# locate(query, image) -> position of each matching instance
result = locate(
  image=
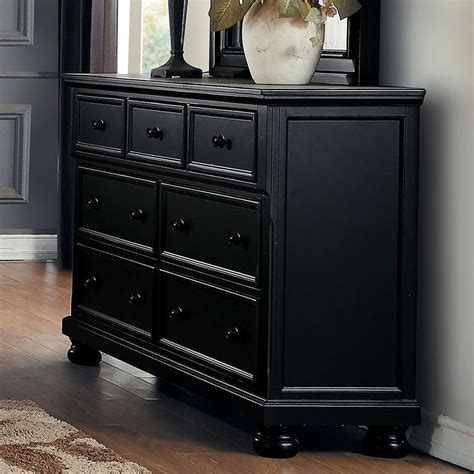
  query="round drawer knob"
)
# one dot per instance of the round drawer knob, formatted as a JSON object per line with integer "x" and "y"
{"x": 220, "y": 141}
{"x": 93, "y": 203}
{"x": 178, "y": 225}
{"x": 234, "y": 239}
{"x": 137, "y": 215}
{"x": 135, "y": 298}
{"x": 98, "y": 125}
{"x": 154, "y": 132}
{"x": 89, "y": 282}
{"x": 176, "y": 313}
{"x": 232, "y": 334}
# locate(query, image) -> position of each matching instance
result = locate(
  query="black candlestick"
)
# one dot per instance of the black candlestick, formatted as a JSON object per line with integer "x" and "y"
{"x": 176, "y": 65}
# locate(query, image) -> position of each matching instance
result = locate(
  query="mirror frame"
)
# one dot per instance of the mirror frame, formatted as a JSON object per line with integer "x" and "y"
{"x": 359, "y": 65}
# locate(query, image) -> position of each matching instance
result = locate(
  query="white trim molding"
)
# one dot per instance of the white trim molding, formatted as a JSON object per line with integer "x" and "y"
{"x": 444, "y": 438}
{"x": 28, "y": 247}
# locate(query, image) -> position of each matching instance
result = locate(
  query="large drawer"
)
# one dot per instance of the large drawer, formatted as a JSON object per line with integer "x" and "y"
{"x": 100, "y": 124}
{"x": 213, "y": 231}
{"x": 116, "y": 290}
{"x": 156, "y": 133}
{"x": 117, "y": 207}
{"x": 223, "y": 142}
{"x": 213, "y": 325}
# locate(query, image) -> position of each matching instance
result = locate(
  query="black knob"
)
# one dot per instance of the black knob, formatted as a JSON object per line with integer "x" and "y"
{"x": 137, "y": 215}
{"x": 154, "y": 132}
{"x": 176, "y": 313}
{"x": 178, "y": 225}
{"x": 89, "y": 281}
{"x": 98, "y": 125}
{"x": 93, "y": 203}
{"x": 234, "y": 239}
{"x": 219, "y": 141}
{"x": 232, "y": 334}
{"x": 135, "y": 298}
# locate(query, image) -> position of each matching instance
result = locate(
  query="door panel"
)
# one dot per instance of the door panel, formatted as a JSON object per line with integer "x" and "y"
{"x": 29, "y": 35}
{"x": 28, "y": 114}
{"x": 15, "y": 133}
{"x": 30, "y": 160}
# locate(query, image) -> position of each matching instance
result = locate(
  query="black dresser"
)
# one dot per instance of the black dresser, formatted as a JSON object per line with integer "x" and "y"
{"x": 254, "y": 244}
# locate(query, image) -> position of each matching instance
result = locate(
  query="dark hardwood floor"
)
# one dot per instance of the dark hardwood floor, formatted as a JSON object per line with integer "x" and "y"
{"x": 130, "y": 411}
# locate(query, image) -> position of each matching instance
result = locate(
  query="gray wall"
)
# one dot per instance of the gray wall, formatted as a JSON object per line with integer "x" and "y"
{"x": 429, "y": 43}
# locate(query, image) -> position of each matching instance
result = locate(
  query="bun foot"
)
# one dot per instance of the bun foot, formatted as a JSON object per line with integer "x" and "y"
{"x": 275, "y": 442}
{"x": 386, "y": 442}
{"x": 83, "y": 355}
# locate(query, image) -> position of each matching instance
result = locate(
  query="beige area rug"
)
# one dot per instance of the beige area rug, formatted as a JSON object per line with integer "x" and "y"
{"x": 31, "y": 441}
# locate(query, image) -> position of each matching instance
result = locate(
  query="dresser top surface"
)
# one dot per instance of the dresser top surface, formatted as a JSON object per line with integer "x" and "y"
{"x": 243, "y": 88}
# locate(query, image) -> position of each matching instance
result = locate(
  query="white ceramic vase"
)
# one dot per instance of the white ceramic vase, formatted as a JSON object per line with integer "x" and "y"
{"x": 279, "y": 50}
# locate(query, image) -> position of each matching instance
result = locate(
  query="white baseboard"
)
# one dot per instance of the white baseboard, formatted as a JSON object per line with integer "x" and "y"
{"x": 28, "y": 247}
{"x": 444, "y": 438}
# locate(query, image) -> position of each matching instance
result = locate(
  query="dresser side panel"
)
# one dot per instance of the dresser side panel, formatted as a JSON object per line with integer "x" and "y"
{"x": 344, "y": 189}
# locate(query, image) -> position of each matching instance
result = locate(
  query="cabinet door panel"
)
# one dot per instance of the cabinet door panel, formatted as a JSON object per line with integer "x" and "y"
{"x": 115, "y": 290}
{"x": 223, "y": 142}
{"x": 116, "y": 207}
{"x": 209, "y": 324}
{"x": 156, "y": 133}
{"x": 342, "y": 254}
{"x": 100, "y": 124}
{"x": 213, "y": 231}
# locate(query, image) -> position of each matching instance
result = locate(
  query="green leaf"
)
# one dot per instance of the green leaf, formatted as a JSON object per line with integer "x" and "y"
{"x": 315, "y": 16}
{"x": 315, "y": 41}
{"x": 291, "y": 8}
{"x": 347, "y": 7}
{"x": 226, "y": 13}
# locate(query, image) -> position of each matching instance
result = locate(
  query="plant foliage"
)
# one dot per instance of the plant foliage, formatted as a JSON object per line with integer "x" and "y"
{"x": 226, "y": 13}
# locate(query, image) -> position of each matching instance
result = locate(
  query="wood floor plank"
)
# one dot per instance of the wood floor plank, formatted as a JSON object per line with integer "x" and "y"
{"x": 144, "y": 419}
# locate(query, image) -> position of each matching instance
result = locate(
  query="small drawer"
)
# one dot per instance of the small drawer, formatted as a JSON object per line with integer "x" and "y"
{"x": 223, "y": 142}
{"x": 212, "y": 231}
{"x": 156, "y": 133}
{"x": 100, "y": 124}
{"x": 118, "y": 208}
{"x": 208, "y": 323}
{"x": 114, "y": 289}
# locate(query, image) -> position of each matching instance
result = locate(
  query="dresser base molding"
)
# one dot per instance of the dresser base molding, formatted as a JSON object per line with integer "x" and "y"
{"x": 267, "y": 412}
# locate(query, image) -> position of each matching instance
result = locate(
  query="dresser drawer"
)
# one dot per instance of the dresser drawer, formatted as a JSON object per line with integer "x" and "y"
{"x": 156, "y": 133}
{"x": 223, "y": 142}
{"x": 114, "y": 289}
{"x": 100, "y": 124}
{"x": 117, "y": 208}
{"x": 204, "y": 322}
{"x": 213, "y": 231}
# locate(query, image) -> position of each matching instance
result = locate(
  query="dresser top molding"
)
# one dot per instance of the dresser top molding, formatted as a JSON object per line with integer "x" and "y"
{"x": 245, "y": 88}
